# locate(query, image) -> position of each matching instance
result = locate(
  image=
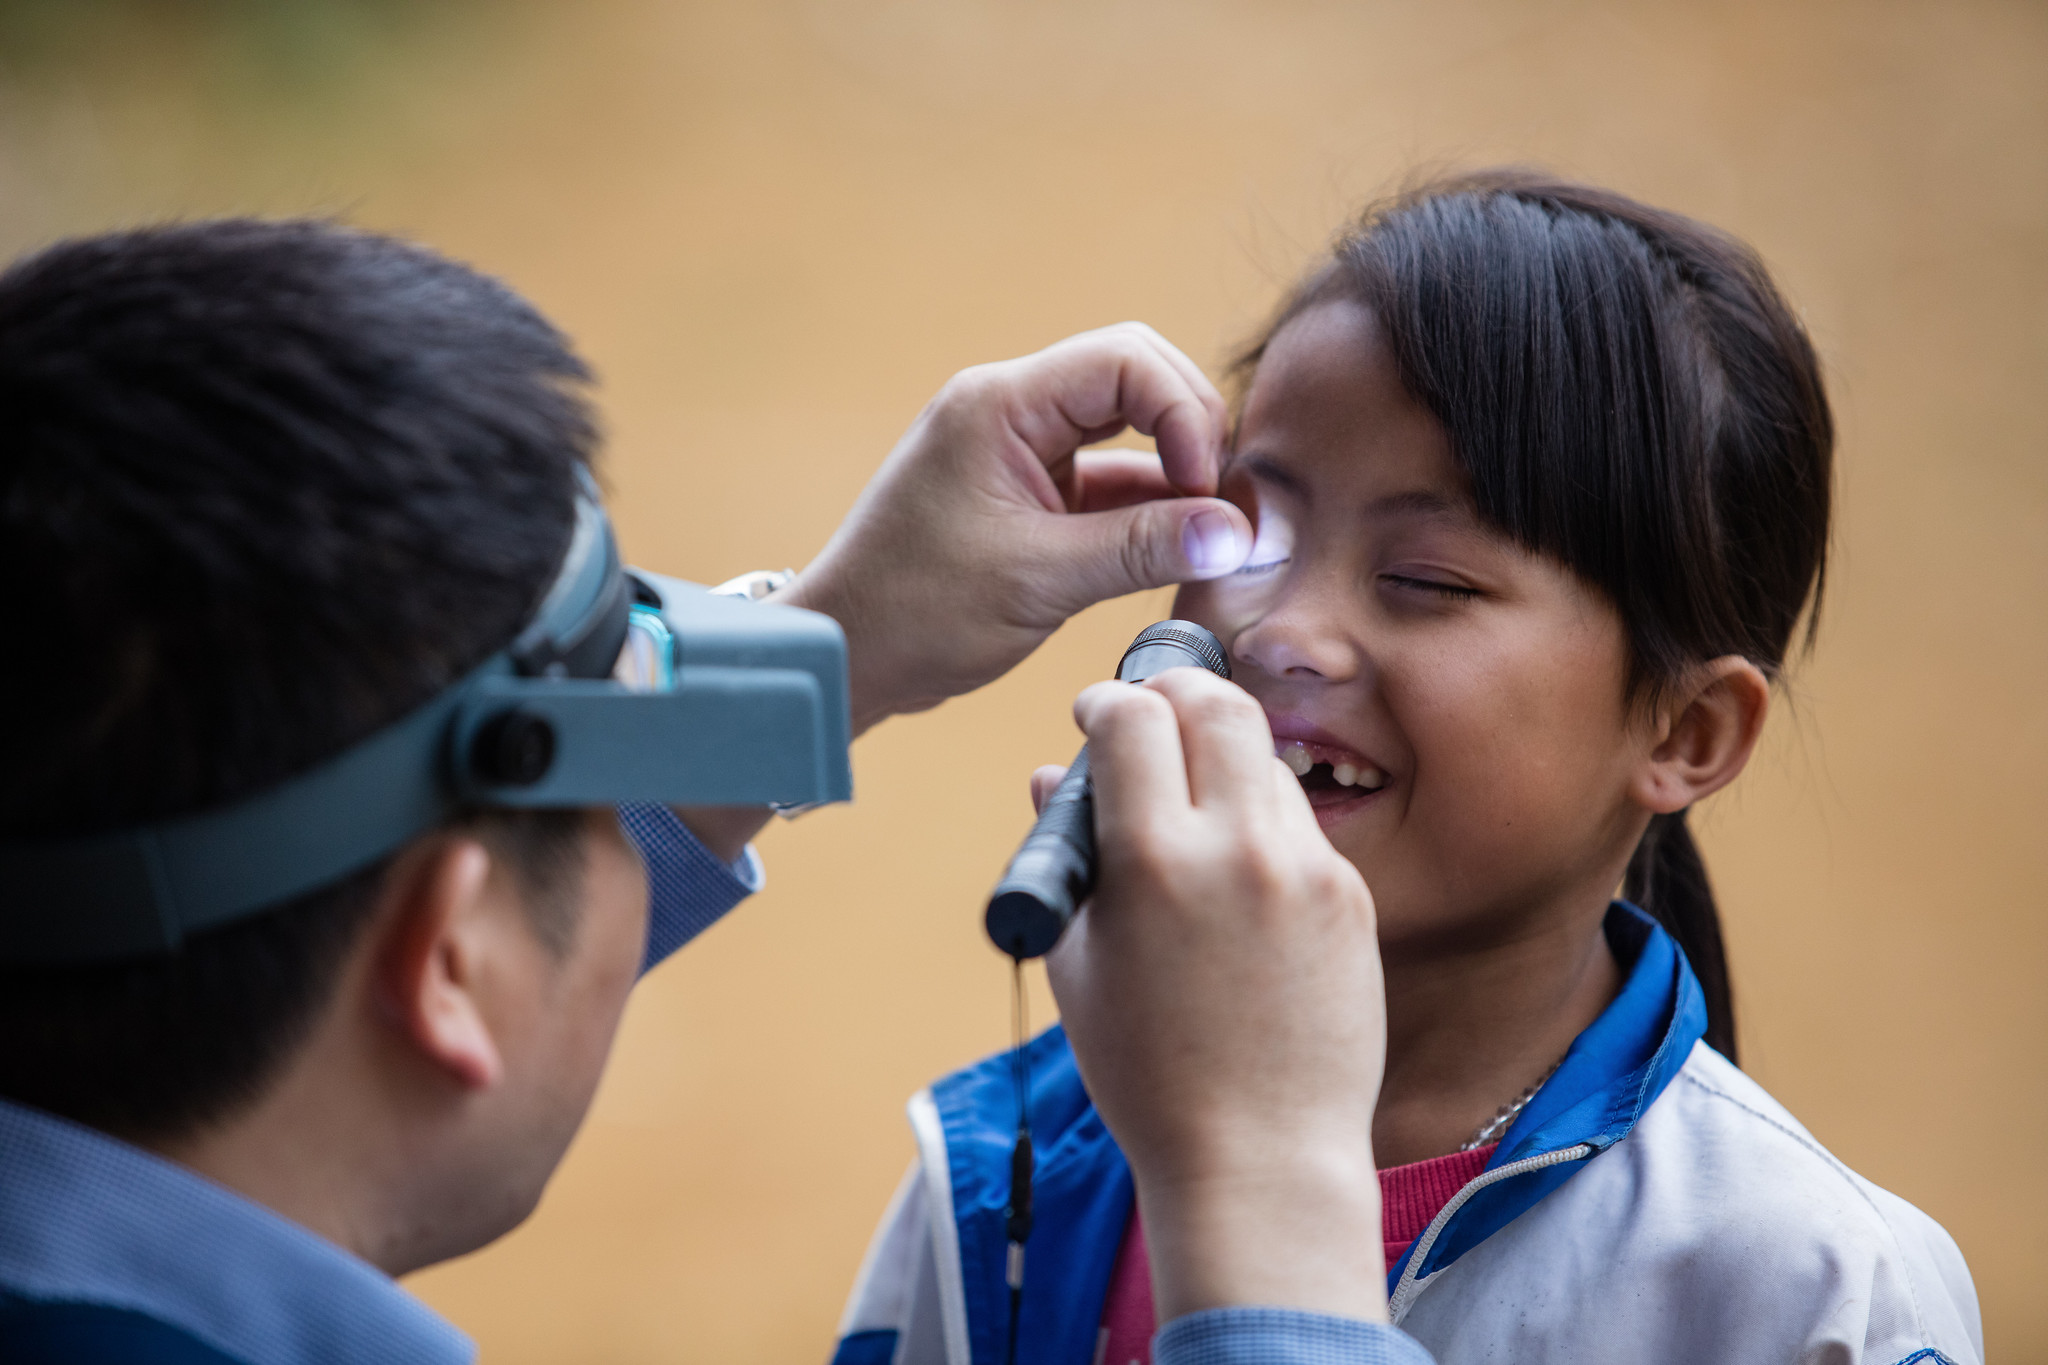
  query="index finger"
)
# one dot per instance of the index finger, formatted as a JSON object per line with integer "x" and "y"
{"x": 1134, "y": 758}
{"x": 1217, "y": 410}
{"x": 1193, "y": 460}
{"x": 1086, "y": 387}
{"x": 1224, "y": 737}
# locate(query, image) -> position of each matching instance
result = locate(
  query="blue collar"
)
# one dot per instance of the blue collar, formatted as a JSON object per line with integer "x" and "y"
{"x": 1083, "y": 1190}
{"x": 88, "y": 1219}
{"x": 1614, "y": 1069}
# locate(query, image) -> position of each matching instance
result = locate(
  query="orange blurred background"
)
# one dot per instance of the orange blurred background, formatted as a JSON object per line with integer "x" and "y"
{"x": 776, "y": 227}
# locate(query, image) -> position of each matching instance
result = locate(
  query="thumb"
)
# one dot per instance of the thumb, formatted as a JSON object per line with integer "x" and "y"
{"x": 1100, "y": 555}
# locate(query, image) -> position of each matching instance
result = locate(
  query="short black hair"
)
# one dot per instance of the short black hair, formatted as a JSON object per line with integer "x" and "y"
{"x": 266, "y": 487}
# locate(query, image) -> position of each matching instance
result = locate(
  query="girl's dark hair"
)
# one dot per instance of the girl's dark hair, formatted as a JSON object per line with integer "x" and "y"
{"x": 1628, "y": 394}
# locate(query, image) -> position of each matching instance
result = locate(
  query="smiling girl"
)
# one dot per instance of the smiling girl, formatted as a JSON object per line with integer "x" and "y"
{"x": 1541, "y": 480}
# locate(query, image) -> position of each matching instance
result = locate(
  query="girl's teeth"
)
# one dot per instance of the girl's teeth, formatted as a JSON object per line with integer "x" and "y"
{"x": 1298, "y": 760}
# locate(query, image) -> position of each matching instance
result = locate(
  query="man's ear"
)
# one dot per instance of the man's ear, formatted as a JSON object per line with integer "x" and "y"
{"x": 1707, "y": 727}
{"x": 441, "y": 932}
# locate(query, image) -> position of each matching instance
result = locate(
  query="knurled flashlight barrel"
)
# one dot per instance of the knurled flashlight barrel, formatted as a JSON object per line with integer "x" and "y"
{"x": 1053, "y": 872}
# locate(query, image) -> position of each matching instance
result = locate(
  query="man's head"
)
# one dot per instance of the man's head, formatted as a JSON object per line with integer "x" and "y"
{"x": 267, "y": 487}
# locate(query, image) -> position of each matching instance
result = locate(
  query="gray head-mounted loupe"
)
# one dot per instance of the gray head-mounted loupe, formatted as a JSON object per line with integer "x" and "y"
{"x": 625, "y": 687}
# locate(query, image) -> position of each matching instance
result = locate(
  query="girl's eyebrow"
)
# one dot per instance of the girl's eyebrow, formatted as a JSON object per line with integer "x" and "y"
{"x": 1265, "y": 470}
{"x": 1414, "y": 502}
{"x": 1420, "y": 502}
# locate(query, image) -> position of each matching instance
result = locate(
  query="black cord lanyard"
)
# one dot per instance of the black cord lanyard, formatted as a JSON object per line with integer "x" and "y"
{"x": 1017, "y": 1217}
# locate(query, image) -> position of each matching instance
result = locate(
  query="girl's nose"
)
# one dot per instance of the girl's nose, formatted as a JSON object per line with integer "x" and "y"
{"x": 1302, "y": 638}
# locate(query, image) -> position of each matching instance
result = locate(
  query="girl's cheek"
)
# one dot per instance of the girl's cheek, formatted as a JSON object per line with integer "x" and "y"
{"x": 1227, "y": 606}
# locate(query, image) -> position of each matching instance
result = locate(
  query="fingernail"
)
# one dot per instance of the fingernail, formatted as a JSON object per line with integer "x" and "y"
{"x": 1211, "y": 544}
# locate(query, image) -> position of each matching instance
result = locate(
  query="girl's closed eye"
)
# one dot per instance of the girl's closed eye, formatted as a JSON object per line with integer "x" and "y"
{"x": 1424, "y": 584}
{"x": 1272, "y": 544}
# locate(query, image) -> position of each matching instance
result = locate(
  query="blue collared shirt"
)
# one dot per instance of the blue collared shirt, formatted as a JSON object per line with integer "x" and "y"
{"x": 1282, "y": 1336}
{"x": 88, "y": 1219}
{"x": 688, "y": 889}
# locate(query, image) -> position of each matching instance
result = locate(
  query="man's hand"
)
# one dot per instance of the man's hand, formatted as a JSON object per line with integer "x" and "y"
{"x": 986, "y": 529}
{"x": 1223, "y": 996}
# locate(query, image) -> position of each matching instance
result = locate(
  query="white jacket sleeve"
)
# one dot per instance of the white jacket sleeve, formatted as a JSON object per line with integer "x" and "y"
{"x": 897, "y": 1290}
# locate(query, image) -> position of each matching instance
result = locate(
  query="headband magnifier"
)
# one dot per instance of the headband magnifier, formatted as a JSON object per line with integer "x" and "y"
{"x": 625, "y": 687}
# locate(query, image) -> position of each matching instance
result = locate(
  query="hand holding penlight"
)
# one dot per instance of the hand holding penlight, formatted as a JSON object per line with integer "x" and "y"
{"x": 1053, "y": 871}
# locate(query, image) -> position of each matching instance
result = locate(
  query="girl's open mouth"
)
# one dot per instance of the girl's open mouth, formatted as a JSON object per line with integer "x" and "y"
{"x": 1332, "y": 777}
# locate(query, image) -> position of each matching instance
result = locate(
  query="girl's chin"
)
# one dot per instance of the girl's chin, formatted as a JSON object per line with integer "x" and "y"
{"x": 1335, "y": 807}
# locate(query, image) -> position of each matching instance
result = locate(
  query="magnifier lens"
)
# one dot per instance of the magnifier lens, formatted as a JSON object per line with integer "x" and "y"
{"x": 647, "y": 661}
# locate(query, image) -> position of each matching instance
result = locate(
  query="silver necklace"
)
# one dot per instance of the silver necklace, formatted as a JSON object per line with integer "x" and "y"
{"x": 1498, "y": 1124}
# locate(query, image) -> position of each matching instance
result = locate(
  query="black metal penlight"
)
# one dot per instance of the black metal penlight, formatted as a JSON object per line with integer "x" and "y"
{"x": 1054, "y": 869}
{"x": 1038, "y": 897}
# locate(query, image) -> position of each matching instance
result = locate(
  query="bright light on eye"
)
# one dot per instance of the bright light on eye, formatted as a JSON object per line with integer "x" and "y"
{"x": 1274, "y": 543}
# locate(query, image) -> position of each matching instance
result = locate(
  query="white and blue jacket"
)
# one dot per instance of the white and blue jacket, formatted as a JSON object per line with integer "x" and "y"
{"x": 1651, "y": 1203}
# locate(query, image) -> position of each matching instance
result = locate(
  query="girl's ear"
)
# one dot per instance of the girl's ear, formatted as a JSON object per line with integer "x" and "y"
{"x": 1707, "y": 728}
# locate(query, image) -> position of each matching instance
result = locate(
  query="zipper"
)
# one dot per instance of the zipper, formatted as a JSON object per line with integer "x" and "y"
{"x": 1404, "y": 1292}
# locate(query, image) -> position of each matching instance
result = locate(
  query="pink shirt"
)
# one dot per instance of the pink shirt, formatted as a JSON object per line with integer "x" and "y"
{"x": 1410, "y": 1196}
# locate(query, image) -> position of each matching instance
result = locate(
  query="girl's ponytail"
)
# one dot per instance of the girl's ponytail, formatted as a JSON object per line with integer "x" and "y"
{"x": 1667, "y": 878}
